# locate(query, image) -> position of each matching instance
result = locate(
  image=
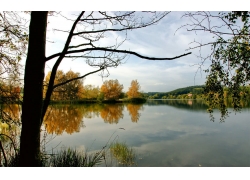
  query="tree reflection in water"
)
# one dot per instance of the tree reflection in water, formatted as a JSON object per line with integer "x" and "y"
{"x": 10, "y": 113}
{"x": 69, "y": 118}
{"x": 63, "y": 118}
{"x": 111, "y": 113}
{"x": 9, "y": 131}
{"x": 10, "y": 121}
{"x": 133, "y": 110}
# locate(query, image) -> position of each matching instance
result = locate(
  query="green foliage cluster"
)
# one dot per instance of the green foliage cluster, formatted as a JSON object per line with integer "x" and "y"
{"x": 229, "y": 57}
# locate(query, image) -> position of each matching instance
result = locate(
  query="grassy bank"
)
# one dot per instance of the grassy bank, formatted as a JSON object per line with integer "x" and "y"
{"x": 113, "y": 101}
{"x": 114, "y": 154}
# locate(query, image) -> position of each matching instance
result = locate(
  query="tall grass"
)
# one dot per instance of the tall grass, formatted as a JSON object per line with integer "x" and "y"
{"x": 124, "y": 155}
{"x": 73, "y": 158}
{"x": 64, "y": 158}
{"x": 116, "y": 152}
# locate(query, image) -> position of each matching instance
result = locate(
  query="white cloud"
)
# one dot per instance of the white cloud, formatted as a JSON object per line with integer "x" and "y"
{"x": 160, "y": 40}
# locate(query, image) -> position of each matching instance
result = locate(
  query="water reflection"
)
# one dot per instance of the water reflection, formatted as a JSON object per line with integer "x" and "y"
{"x": 243, "y": 103}
{"x": 123, "y": 154}
{"x": 192, "y": 105}
{"x": 69, "y": 118}
{"x": 111, "y": 113}
{"x": 133, "y": 110}
{"x": 10, "y": 113}
{"x": 9, "y": 121}
{"x": 66, "y": 118}
{"x": 167, "y": 133}
{"x": 9, "y": 130}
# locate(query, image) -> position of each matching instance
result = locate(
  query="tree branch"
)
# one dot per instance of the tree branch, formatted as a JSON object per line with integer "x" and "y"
{"x": 84, "y": 44}
{"x": 73, "y": 79}
{"x": 129, "y": 27}
{"x": 54, "y": 69}
{"x": 108, "y": 17}
{"x": 117, "y": 51}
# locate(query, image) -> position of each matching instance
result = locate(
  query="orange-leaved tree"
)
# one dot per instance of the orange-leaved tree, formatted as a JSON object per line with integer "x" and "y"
{"x": 65, "y": 91}
{"x": 133, "y": 91}
{"x": 111, "y": 89}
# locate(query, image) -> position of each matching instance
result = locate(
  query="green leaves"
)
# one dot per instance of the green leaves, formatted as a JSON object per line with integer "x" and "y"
{"x": 230, "y": 65}
{"x": 230, "y": 56}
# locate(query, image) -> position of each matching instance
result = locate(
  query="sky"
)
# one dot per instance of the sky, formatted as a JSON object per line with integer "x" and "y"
{"x": 160, "y": 40}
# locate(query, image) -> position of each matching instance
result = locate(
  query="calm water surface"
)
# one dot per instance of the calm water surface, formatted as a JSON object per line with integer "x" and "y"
{"x": 162, "y": 132}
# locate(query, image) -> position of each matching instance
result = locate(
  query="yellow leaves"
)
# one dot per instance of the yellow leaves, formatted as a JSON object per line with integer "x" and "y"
{"x": 12, "y": 114}
{"x": 90, "y": 92}
{"x": 69, "y": 118}
{"x": 112, "y": 113}
{"x": 63, "y": 119}
{"x": 133, "y": 110}
{"x": 69, "y": 91}
{"x": 111, "y": 89}
{"x": 133, "y": 91}
{"x": 10, "y": 92}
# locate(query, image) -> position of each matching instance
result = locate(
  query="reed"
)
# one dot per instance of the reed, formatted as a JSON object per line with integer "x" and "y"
{"x": 73, "y": 158}
{"x": 124, "y": 155}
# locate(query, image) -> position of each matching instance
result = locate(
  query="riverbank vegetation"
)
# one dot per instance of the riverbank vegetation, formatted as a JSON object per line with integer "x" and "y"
{"x": 76, "y": 92}
{"x": 197, "y": 92}
{"x": 229, "y": 63}
{"x": 113, "y": 154}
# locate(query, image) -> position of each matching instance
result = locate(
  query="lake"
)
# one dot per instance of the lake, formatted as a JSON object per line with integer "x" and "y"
{"x": 162, "y": 133}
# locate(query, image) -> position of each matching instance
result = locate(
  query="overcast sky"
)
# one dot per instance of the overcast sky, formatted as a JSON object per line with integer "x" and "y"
{"x": 159, "y": 40}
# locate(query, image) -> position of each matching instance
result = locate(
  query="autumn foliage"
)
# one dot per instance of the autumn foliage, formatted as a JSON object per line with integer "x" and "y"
{"x": 75, "y": 90}
{"x": 112, "y": 113}
{"x": 133, "y": 110}
{"x": 61, "y": 119}
{"x": 90, "y": 92}
{"x": 9, "y": 93}
{"x": 111, "y": 89}
{"x": 133, "y": 91}
{"x": 70, "y": 91}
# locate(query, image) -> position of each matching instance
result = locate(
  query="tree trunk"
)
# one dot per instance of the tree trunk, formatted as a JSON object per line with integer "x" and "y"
{"x": 33, "y": 91}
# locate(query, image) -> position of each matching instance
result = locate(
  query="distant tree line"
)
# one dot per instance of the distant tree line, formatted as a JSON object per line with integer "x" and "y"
{"x": 191, "y": 92}
{"x": 197, "y": 92}
{"x": 76, "y": 90}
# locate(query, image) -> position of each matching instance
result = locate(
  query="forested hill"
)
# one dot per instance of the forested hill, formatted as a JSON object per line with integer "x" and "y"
{"x": 180, "y": 91}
